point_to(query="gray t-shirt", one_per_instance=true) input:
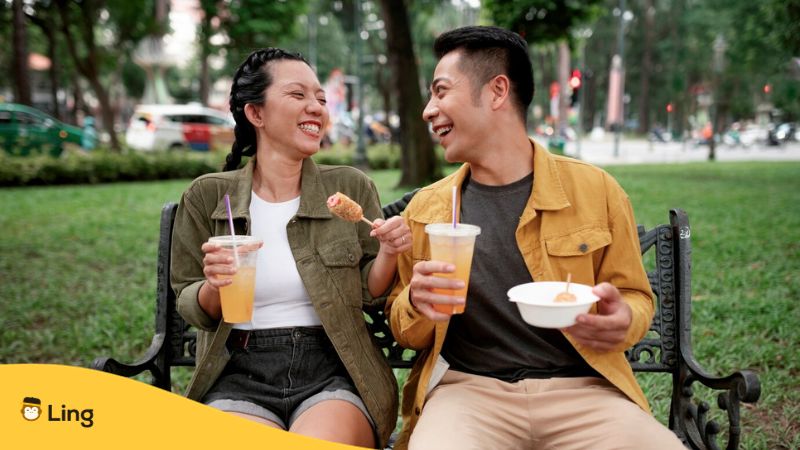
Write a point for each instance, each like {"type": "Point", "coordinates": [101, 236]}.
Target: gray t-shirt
{"type": "Point", "coordinates": [490, 338]}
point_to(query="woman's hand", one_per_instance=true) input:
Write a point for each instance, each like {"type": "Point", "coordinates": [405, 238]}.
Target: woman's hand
{"type": "Point", "coordinates": [217, 261]}
{"type": "Point", "coordinates": [393, 234]}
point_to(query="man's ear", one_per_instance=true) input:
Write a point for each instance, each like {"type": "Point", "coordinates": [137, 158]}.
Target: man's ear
{"type": "Point", "coordinates": [253, 114]}
{"type": "Point", "coordinates": [500, 88]}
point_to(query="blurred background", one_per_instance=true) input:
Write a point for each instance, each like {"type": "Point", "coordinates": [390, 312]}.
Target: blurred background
{"type": "Point", "coordinates": [696, 72]}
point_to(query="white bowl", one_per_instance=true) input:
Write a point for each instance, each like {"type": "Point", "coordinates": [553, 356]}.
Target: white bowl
{"type": "Point", "coordinates": [536, 305]}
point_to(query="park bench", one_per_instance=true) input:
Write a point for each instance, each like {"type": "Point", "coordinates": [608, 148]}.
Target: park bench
{"type": "Point", "coordinates": [667, 348]}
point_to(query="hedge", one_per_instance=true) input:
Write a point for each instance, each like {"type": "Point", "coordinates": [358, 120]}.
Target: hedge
{"type": "Point", "coordinates": [104, 166]}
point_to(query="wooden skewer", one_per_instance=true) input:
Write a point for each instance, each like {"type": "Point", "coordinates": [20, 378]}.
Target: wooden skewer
{"type": "Point", "coordinates": [569, 278]}
{"type": "Point", "coordinates": [367, 221]}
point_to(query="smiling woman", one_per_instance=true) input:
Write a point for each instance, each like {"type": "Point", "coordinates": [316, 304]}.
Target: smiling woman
{"type": "Point", "coordinates": [308, 293]}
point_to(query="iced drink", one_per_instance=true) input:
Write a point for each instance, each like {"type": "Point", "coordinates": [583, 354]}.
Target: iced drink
{"type": "Point", "coordinates": [237, 297]}
{"type": "Point", "coordinates": [455, 246]}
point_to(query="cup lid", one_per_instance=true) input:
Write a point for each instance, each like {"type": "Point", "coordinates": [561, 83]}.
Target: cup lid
{"type": "Point", "coordinates": [446, 229]}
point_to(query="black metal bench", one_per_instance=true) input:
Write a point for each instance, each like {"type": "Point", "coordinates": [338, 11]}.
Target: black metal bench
{"type": "Point", "coordinates": [667, 347]}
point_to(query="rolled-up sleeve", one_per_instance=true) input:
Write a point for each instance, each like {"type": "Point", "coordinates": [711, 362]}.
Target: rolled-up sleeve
{"type": "Point", "coordinates": [622, 265]}
{"type": "Point", "coordinates": [192, 227]}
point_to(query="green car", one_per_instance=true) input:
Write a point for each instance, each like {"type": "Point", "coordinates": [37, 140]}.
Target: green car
{"type": "Point", "coordinates": [27, 131]}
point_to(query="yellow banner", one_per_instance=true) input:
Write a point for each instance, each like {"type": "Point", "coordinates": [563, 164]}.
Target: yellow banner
{"type": "Point", "coordinates": [53, 406]}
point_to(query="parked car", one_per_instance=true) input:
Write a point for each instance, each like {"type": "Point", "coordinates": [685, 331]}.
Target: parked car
{"type": "Point", "coordinates": [179, 127]}
{"type": "Point", "coordinates": [25, 131]}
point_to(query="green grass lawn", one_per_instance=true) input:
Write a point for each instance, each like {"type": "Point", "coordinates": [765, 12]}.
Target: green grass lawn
{"type": "Point", "coordinates": [77, 270]}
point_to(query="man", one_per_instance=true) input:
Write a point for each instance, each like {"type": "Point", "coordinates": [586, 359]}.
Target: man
{"type": "Point", "coordinates": [511, 385]}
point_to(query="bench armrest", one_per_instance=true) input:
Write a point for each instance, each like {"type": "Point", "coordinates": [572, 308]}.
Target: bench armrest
{"type": "Point", "coordinates": [150, 361]}
{"type": "Point", "coordinates": [740, 386]}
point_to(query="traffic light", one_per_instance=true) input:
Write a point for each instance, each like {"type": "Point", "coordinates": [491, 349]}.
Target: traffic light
{"type": "Point", "coordinates": [669, 107]}
{"type": "Point", "coordinates": [575, 84]}
{"type": "Point", "coordinates": [767, 88]}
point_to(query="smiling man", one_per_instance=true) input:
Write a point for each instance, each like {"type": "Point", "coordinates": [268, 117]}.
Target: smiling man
{"type": "Point", "coordinates": [485, 378]}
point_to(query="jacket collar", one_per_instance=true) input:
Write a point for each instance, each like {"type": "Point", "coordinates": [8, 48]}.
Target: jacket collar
{"type": "Point", "coordinates": [313, 197]}
{"type": "Point", "coordinates": [239, 190]}
{"type": "Point", "coordinates": [312, 193]}
{"type": "Point", "coordinates": [547, 193]}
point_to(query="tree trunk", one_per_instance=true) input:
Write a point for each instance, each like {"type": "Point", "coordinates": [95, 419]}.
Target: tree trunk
{"type": "Point", "coordinates": [205, 53]}
{"type": "Point", "coordinates": [418, 162]}
{"type": "Point", "coordinates": [646, 67]}
{"type": "Point", "coordinates": [205, 79]}
{"type": "Point", "coordinates": [22, 83]}
{"type": "Point", "coordinates": [46, 25]}
{"type": "Point", "coordinates": [88, 66]}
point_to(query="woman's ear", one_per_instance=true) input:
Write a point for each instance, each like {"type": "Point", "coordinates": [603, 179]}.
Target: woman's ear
{"type": "Point", "coordinates": [500, 87]}
{"type": "Point", "coordinates": [253, 114]}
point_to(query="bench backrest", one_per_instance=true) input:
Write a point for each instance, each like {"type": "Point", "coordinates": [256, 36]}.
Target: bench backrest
{"type": "Point", "coordinates": [657, 352]}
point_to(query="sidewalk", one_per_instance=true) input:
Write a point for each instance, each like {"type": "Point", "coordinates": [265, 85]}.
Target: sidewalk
{"type": "Point", "coordinates": [640, 151]}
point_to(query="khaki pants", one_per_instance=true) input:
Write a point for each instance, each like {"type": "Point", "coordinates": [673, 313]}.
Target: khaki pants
{"type": "Point", "coordinates": [473, 412]}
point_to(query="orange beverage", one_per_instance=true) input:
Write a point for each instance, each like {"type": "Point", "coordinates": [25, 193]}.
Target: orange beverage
{"type": "Point", "coordinates": [237, 297]}
{"type": "Point", "coordinates": [455, 246]}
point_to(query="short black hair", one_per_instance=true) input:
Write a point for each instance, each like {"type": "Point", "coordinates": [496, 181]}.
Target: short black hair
{"type": "Point", "coordinates": [488, 52]}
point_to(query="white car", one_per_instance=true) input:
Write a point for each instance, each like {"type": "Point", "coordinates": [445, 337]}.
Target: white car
{"type": "Point", "coordinates": [184, 127]}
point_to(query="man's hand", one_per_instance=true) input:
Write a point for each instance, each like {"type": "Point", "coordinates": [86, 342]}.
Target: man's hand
{"type": "Point", "coordinates": [606, 330]}
{"type": "Point", "coordinates": [423, 281]}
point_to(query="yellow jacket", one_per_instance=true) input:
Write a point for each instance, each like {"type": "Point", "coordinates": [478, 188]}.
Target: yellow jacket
{"type": "Point", "coordinates": [577, 220]}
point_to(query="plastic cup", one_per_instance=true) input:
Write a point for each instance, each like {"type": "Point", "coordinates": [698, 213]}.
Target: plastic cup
{"type": "Point", "coordinates": [237, 297]}
{"type": "Point", "coordinates": [455, 246]}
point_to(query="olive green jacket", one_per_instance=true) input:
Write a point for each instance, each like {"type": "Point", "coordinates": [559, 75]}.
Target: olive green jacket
{"type": "Point", "coordinates": [332, 256]}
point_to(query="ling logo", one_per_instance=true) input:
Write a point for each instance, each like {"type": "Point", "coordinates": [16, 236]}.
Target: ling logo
{"type": "Point", "coordinates": [31, 408]}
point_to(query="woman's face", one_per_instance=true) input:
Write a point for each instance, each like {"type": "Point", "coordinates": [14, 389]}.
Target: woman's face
{"type": "Point", "coordinates": [294, 113]}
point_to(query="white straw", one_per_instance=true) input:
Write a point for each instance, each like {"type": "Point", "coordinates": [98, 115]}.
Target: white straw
{"type": "Point", "coordinates": [454, 206]}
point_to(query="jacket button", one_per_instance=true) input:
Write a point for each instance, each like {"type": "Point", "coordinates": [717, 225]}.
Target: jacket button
{"type": "Point", "coordinates": [583, 248]}
{"type": "Point", "coordinates": [351, 257]}
{"type": "Point", "coordinates": [416, 411]}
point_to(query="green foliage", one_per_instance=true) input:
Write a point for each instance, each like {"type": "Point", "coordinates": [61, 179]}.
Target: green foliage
{"type": "Point", "coordinates": [254, 24]}
{"type": "Point", "coordinates": [540, 21]}
{"type": "Point", "coordinates": [104, 167]}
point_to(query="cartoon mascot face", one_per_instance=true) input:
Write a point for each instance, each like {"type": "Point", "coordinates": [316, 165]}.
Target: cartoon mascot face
{"type": "Point", "coordinates": [31, 408]}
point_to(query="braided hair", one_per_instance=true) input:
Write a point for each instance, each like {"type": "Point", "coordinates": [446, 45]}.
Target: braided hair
{"type": "Point", "coordinates": [250, 83]}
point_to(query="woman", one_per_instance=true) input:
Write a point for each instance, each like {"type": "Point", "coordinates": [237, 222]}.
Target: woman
{"type": "Point", "coordinates": [306, 362]}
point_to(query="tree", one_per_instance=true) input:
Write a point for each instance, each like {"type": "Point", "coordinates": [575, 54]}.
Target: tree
{"type": "Point", "coordinates": [206, 30]}
{"type": "Point", "coordinates": [22, 86]}
{"type": "Point", "coordinates": [253, 24]}
{"type": "Point", "coordinates": [418, 164]}
{"type": "Point", "coordinates": [544, 21]}
{"type": "Point", "coordinates": [45, 21]}
{"type": "Point", "coordinates": [127, 24]}
{"type": "Point", "coordinates": [541, 21]}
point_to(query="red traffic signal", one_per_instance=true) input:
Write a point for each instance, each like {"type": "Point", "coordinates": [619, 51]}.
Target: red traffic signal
{"type": "Point", "coordinates": [767, 88]}
{"type": "Point", "coordinates": [575, 79]}
{"type": "Point", "coordinates": [669, 107]}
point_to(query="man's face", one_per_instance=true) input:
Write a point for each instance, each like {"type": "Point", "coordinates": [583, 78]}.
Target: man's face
{"type": "Point", "coordinates": [459, 119]}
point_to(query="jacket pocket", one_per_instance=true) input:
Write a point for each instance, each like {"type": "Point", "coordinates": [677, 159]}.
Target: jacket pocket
{"type": "Point", "coordinates": [341, 260]}
{"type": "Point", "coordinates": [578, 253]}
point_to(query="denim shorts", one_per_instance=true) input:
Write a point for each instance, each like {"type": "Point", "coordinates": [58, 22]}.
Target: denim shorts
{"type": "Point", "coordinates": [281, 373]}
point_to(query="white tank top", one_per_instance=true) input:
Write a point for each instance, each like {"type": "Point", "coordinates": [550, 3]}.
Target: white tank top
{"type": "Point", "coordinates": [281, 299]}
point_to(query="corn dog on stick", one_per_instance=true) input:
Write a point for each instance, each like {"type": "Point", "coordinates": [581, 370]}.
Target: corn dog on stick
{"type": "Point", "coordinates": [344, 207]}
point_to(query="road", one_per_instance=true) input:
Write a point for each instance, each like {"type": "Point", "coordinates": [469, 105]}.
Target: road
{"type": "Point", "coordinates": [641, 151]}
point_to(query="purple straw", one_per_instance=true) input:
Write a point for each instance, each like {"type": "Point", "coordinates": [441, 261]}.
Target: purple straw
{"type": "Point", "coordinates": [230, 224]}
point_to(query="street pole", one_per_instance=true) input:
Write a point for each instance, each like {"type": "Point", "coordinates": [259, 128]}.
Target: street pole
{"type": "Point", "coordinates": [579, 128]}
{"type": "Point", "coordinates": [621, 53]}
{"type": "Point", "coordinates": [360, 159]}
